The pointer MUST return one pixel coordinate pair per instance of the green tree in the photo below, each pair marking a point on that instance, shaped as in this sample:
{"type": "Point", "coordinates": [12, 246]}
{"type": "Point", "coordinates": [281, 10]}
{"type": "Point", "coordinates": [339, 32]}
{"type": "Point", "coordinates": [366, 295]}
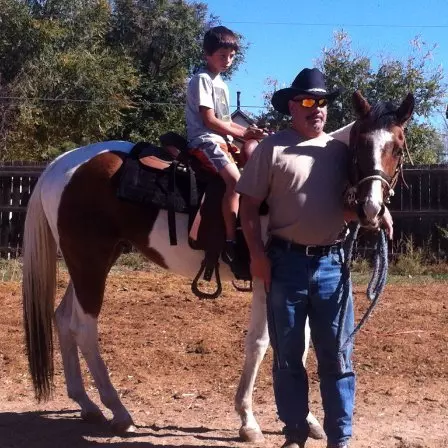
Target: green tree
{"type": "Point", "coordinates": [348, 71]}
{"type": "Point", "coordinates": [72, 88]}
{"type": "Point", "coordinates": [164, 39]}
{"type": "Point", "coordinates": [270, 118]}
{"type": "Point", "coordinates": [19, 40]}
{"type": "Point", "coordinates": [352, 70]}
{"type": "Point", "coordinates": [390, 81]}
{"type": "Point", "coordinates": [76, 71]}
{"type": "Point", "coordinates": [18, 44]}
{"type": "Point", "coordinates": [88, 110]}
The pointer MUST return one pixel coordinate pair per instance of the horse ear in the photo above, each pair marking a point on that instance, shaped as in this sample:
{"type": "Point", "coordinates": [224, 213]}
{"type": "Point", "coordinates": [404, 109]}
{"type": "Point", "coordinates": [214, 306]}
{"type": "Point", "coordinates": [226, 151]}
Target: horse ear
{"type": "Point", "coordinates": [404, 112]}
{"type": "Point", "coordinates": [360, 104]}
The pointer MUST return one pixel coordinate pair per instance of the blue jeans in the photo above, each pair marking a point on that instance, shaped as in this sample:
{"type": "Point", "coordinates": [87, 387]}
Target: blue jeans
{"type": "Point", "coordinates": [310, 286]}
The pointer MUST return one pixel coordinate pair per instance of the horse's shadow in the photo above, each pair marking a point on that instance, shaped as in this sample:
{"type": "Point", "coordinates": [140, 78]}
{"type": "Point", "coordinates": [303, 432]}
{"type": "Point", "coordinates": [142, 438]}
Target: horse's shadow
{"type": "Point", "coordinates": [43, 429]}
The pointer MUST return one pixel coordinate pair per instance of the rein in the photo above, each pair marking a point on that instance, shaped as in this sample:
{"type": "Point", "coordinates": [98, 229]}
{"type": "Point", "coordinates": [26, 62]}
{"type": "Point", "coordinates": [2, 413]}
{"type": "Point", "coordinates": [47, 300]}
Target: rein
{"type": "Point", "coordinates": [374, 288]}
{"type": "Point", "coordinates": [379, 275]}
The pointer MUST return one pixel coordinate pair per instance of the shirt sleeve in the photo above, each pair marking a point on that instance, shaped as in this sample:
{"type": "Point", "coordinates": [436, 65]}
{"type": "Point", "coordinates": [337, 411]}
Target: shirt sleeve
{"type": "Point", "coordinates": [256, 177]}
{"type": "Point", "coordinates": [204, 90]}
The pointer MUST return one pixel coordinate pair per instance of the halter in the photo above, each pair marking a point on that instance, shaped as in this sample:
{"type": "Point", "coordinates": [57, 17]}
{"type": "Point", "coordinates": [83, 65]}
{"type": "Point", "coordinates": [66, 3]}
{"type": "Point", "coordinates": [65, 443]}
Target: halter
{"type": "Point", "coordinates": [389, 182]}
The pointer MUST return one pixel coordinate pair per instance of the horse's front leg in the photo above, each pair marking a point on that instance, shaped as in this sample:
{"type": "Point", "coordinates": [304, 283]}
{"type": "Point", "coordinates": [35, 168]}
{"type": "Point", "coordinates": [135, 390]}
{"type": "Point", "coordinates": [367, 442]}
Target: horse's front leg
{"type": "Point", "coordinates": [316, 430]}
{"type": "Point", "coordinates": [256, 344]}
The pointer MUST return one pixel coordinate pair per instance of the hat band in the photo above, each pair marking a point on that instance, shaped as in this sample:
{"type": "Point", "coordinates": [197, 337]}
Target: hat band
{"type": "Point", "coordinates": [317, 90]}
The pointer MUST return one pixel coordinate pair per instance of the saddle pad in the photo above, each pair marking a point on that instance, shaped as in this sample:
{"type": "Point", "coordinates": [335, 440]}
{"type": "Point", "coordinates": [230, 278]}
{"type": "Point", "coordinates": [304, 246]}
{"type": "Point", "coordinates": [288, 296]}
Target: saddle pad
{"type": "Point", "coordinates": [172, 188]}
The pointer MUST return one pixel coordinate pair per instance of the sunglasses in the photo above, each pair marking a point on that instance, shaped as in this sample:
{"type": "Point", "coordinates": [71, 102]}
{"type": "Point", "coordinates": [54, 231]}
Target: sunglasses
{"type": "Point", "coordinates": [311, 102]}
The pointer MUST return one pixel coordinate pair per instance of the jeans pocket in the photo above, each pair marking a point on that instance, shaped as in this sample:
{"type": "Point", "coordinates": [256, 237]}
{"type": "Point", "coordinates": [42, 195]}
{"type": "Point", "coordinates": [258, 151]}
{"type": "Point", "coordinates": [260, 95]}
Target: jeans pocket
{"type": "Point", "coordinates": [274, 253]}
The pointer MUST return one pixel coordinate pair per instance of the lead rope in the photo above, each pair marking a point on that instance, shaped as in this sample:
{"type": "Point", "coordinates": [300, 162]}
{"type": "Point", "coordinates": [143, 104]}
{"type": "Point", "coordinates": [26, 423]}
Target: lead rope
{"type": "Point", "coordinates": [374, 288]}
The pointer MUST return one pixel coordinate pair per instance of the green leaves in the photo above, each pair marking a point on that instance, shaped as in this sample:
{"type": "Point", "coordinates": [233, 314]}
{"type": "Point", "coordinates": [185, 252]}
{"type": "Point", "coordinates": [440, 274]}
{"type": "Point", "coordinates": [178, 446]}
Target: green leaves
{"type": "Point", "coordinates": [19, 39]}
{"type": "Point", "coordinates": [78, 71]}
{"type": "Point", "coordinates": [425, 144]}
{"type": "Point", "coordinates": [164, 41]}
{"type": "Point", "coordinates": [84, 92]}
{"type": "Point", "coordinates": [390, 80]}
{"type": "Point", "coordinates": [72, 88]}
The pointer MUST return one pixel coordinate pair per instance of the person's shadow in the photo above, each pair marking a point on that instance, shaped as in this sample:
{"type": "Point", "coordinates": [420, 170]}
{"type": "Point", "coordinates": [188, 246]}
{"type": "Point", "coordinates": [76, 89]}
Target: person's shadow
{"type": "Point", "coordinates": [63, 429]}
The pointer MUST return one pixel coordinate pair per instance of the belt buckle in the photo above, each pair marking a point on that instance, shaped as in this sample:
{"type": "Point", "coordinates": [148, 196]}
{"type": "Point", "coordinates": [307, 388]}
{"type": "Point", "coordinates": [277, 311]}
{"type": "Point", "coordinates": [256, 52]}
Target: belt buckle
{"type": "Point", "coordinates": [307, 250]}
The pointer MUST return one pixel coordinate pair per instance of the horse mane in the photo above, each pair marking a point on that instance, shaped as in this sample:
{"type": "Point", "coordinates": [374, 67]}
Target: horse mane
{"type": "Point", "coordinates": [384, 114]}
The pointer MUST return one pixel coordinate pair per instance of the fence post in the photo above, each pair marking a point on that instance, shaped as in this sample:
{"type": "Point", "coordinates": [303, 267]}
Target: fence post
{"type": "Point", "coordinates": [16, 182]}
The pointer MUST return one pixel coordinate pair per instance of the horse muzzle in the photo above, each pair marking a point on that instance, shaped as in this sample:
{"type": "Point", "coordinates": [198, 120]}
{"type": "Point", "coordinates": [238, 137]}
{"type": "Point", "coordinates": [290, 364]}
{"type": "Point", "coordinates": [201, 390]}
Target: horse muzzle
{"type": "Point", "coordinates": [370, 218]}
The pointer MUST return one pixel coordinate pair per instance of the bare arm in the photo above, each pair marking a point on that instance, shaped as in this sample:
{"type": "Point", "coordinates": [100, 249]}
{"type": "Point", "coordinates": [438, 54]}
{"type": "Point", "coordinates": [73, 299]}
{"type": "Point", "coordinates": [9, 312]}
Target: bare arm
{"type": "Point", "coordinates": [219, 126]}
{"type": "Point", "coordinates": [229, 127]}
{"type": "Point", "coordinates": [238, 127]}
{"type": "Point", "coordinates": [250, 221]}
{"type": "Point", "coordinates": [388, 223]}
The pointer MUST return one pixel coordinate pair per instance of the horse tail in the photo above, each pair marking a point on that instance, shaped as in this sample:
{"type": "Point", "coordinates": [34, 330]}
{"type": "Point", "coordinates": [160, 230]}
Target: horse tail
{"type": "Point", "coordinates": [39, 289]}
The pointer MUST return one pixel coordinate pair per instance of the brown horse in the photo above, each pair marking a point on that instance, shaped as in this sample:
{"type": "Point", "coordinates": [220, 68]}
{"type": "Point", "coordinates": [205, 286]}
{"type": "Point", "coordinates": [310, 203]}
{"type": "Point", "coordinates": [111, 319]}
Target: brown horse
{"type": "Point", "coordinates": [74, 208]}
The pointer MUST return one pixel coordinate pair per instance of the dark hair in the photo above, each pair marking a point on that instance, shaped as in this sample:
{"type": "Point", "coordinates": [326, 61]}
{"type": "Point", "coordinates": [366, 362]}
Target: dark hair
{"type": "Point", "coordinates": [219, 37]}
{"type": "Point", "coordinates": [384, 114]}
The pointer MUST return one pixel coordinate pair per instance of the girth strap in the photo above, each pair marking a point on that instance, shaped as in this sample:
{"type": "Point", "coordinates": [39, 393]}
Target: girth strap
{"type": "Point", "coordinates": [193, 201]}
{"type": "Point", "coordinates": [171, 212]}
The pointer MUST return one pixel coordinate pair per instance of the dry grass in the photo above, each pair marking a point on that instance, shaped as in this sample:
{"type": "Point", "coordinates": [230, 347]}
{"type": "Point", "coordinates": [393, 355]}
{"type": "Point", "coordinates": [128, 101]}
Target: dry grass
{"type": "Point", "coordinates": [11, 270]}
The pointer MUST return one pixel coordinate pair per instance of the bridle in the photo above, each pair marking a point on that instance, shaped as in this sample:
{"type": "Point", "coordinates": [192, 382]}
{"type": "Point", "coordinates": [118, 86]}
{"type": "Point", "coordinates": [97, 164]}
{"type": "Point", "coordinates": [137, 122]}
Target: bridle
{"type": "Point", "coordinates": [388, 182]}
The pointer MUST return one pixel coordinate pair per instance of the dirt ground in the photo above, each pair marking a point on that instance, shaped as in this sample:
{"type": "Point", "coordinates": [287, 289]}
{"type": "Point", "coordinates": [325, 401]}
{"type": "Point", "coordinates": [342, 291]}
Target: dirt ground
{"type": "Point", "coordinates": [176, 362]}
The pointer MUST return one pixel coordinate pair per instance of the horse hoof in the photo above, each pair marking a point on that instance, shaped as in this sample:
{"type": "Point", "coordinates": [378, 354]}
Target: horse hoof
{"type": "Point", "coordinates": [251, 435]}
{"type": "Point", "coordinates": [95, 417]}
{"type": "Point", "coordinates": [123, 427]}
{"type": "Point", "coordinates": [316, 432]}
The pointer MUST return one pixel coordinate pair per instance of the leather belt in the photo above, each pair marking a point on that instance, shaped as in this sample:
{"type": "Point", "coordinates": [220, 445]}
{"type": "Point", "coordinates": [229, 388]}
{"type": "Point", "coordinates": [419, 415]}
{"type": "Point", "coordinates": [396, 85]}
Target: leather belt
{"type": "Point", "coordinates": [309, 251]}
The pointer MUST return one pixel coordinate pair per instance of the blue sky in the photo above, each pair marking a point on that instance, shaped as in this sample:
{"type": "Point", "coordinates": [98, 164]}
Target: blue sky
{"type": "Point", "coordinates": [287, 35]}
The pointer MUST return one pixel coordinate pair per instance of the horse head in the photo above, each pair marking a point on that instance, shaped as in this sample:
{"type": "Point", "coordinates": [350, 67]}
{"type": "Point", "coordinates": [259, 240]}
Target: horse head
{"type": "Point", "coordinates": [377, 144]}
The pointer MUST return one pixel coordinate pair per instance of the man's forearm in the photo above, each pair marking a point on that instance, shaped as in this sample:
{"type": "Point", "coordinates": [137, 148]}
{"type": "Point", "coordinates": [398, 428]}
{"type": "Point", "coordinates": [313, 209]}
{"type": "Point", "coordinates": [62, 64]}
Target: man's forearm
{"type": "Point", "coordinates": [250, 222]}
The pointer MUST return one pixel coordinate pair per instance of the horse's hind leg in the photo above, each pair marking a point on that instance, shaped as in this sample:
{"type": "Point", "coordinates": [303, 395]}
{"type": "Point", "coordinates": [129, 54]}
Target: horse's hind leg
{"type": "Point", "coordinates": [69, 351]}
{"type": "Point", "coordinates": [88, 266]}
{"type": "Point", "coordinates": [85, 328]}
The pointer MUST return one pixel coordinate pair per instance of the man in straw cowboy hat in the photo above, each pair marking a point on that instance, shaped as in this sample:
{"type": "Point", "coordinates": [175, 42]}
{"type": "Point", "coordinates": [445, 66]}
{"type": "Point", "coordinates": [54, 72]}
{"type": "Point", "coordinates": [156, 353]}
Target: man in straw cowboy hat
{"type": "Point", "coordinates": [302, 173]}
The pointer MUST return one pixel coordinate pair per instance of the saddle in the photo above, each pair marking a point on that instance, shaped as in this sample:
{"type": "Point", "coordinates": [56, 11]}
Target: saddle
{"type": "Point", "coordinates": [170, 178]}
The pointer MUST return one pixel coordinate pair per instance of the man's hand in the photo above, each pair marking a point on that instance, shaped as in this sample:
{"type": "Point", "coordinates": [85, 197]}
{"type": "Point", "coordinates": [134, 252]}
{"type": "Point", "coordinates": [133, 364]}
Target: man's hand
{"type": "Point", "coordinates": [260, 266]}
{"type": "Point", "coordinates": [388, 223]}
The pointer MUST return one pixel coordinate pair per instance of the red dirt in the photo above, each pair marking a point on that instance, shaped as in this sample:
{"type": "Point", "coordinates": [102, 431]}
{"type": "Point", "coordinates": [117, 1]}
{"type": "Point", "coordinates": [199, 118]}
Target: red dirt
{"type": "Point", "coordinates": [176, 362]}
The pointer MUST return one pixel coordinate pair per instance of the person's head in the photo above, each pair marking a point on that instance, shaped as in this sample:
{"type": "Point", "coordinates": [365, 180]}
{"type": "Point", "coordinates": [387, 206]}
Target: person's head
{"type": "Point", "coordinates": [306, 101]}
{"type": "Point", "coordinates": [220, 46]}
